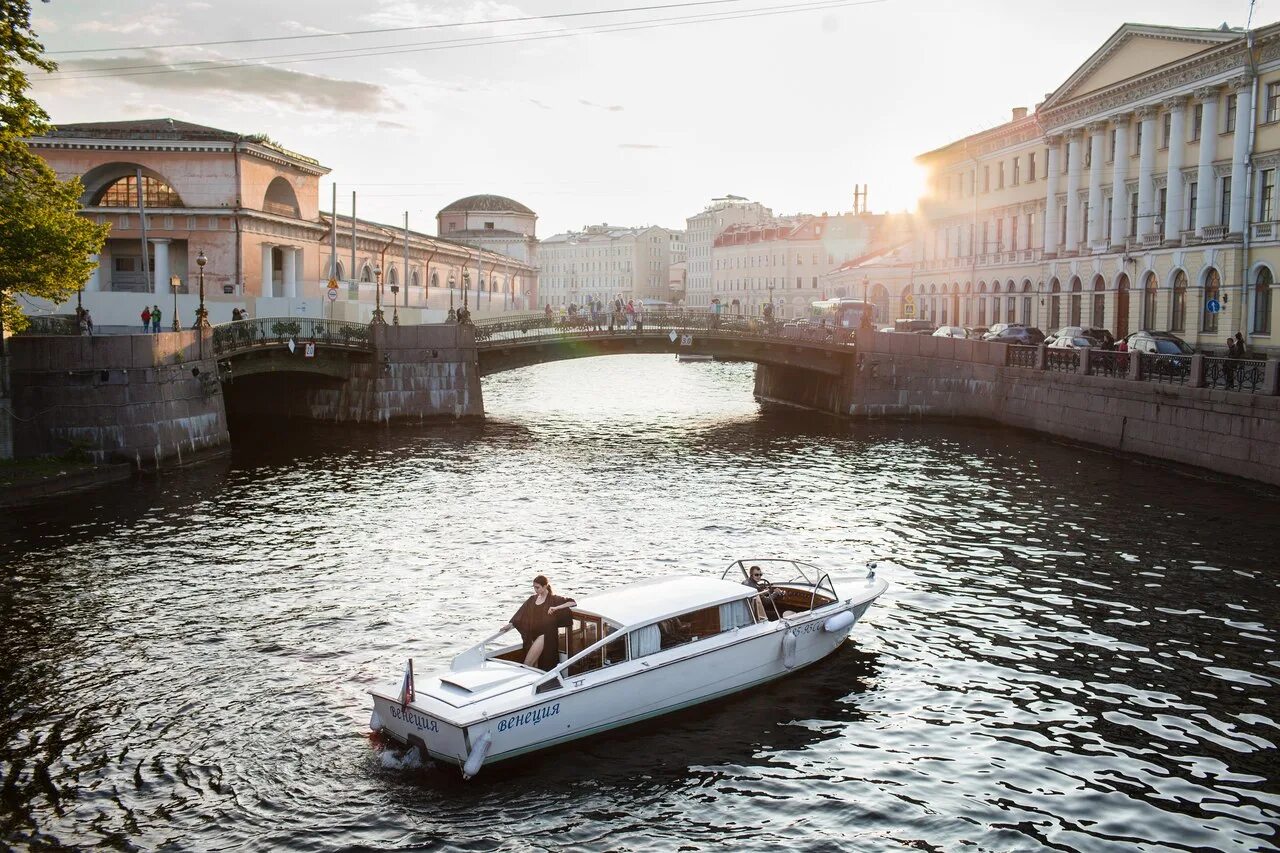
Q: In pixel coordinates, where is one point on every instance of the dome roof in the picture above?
(487, 203)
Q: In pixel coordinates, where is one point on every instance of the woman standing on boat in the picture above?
(536, 621)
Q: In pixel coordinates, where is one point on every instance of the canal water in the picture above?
(1077, 652)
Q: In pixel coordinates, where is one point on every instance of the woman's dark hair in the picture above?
(541, 580)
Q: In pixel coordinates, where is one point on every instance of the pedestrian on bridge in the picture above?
(155, 319)
(146, 319)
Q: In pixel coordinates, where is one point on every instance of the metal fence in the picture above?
(1017, 355)
(1062, 360)
(603, 324)
(275, 331)
(1171, 369)
(1234, 374)
(1109, 363)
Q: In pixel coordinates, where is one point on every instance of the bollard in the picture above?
(1042, 357)
(1135, 365)
(1083, 367)
(1271, 379)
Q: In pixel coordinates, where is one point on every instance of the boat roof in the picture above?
(658, 598)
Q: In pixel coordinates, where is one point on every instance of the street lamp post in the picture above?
(377, 319)
(395, 302)
(451, 282)
(202, 315)
(174, 284)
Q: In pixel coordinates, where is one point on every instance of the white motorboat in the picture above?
(627, 655)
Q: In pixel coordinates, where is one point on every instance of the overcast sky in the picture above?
(631, 128)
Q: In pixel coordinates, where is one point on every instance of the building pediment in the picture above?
(1135, 50)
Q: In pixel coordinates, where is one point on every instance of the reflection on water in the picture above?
(1077, 651)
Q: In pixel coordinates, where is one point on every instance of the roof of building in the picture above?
(658, 598)
(491, 233)
(167, 129)
(486, 204)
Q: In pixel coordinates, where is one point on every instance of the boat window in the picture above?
(583, 632)
(688, 627)
(735, 614)
(615, 652)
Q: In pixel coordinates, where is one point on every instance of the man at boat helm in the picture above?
(755, 579)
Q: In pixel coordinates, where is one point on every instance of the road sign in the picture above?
(686, 340)
(309, 351)
(333, 294)
(908, 310)
(1213, 306)
(909, 299)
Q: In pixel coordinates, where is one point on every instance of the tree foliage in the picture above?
(44, 243)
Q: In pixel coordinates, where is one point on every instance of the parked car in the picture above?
(977, 332)
(887, 329)
(998, 329)
(951, 332)
(1163, 343)
(1070, 342)
(1025, 335)
(905, 324)
(1100, 338)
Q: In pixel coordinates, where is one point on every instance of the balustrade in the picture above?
(275, 331)
(1017, 355)
(1171, 369)
(1109, 363)
(1235, 374)
(1062, 360)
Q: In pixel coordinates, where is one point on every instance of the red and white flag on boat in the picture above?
(406, 686)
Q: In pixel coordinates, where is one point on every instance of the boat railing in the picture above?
(824, 582)
(477, 654)
(801, 573)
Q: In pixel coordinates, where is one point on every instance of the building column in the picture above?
(268, 287)
(1119, 177)
(1051, 196)
(1075, 168)
(1206, 202)
(160, 279)
(1097, 154)
(1243, 89)
(289, 271)
(1147, 172)
(1176, 194)
(95, 278)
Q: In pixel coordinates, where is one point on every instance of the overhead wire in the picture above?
(413, 28)
(447, 44)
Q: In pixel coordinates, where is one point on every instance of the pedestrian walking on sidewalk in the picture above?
(155, 319)
(146, 319)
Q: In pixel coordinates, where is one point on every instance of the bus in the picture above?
(843, 313)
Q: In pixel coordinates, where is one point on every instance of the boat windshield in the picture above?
(777, 571)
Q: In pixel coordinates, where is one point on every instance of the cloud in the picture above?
(385, 124)
(412, 13)
(613, 108)
(638, 145)
(280, 86)
(539, 104)
(152, 25)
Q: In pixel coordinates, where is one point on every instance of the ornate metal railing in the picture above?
(1062, 360)
(1172, 369)
(1234, 374)
(1017, 355)
(657, 323)
(1109, 363)
(241, 335)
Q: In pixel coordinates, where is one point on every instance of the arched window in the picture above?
(1026, 303)
(1055, 306)
(982, 303)
(1178, 306)
(280, 199)
(1122, 306)
(995, 302)
(435, 279)
(1262, 301)
(414, 281)
(1099, 303)
(1149, 295)
(1075, 312)
(338, 272)
(392, 276)
(124, 193)
(366, 274)
(1212, 290)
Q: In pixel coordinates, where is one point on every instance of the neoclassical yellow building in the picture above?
(1141, 194)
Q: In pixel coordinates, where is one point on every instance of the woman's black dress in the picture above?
(533, 620)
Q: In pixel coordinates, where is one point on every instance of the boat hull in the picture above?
(613, 697)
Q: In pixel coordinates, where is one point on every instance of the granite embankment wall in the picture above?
(1231, 432)
(417, 373)
(143, 399)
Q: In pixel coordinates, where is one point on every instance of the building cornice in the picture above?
(179, 146)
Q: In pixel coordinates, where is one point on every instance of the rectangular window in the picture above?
(1273, 101)
(1137, 137)
(1109, 212)
(1031, 166)
(815, 282)
(986, 237)
(1133, 214)
(1197, 119)
(1166, 129)
(1000, 175)
(1192, 194)
(1088, 154)
(1062, 228)
(1031, 229)
(1232, 102)
(1017, 166)
(1013, 233)
(999, 235)
(1163, 207)
(1224, 214)
(1267, 189)
(1111, 146)
(986, 179)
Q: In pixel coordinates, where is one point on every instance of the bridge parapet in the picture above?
(509, 330)
(243, 335)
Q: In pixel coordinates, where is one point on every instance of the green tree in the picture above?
(44, 243)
